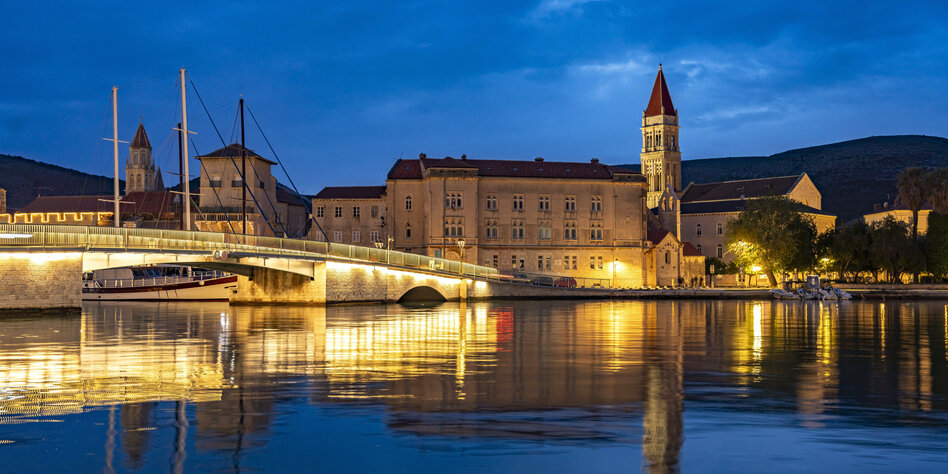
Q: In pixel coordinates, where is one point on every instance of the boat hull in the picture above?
(214, 289)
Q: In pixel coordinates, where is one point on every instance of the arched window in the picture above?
(698, 230)
(720, 229)
(408, 231)
(699, 248)
(667, 257)
(407, 203)
(720, 253)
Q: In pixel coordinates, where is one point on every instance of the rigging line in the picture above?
(287, 173)
(221, 203)
(266, 195)
(239, 173)
(233, 126)
(146, 80)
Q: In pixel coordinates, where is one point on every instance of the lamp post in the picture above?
(460, 256)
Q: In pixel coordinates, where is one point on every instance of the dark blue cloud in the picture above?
(344, 88)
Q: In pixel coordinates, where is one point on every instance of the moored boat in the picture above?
(157, 283)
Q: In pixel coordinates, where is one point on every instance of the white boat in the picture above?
(157, 283)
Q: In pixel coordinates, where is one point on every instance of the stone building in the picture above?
(140, 172)
(661, 157)
(707, 208)
(584, 221)
(901, 213)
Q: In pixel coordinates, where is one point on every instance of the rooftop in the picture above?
(746, 188)
(537, 168)
(660, 102)
(156, 202)
(351, 192)
(234, 151)
(735, 205)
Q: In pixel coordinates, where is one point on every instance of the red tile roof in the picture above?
(351, 192)
(233, 151)
(412, 168)
(689, 250)
(660, 98)
(157, 202)
(735, 205)
(141, 138)
(655, 236)
(748, 188)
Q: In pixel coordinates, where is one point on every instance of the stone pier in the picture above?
(40, 280)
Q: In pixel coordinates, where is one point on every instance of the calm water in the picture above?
(499, 387)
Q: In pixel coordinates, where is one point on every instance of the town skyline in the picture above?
(545, 83)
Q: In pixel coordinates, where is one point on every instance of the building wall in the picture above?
(902, 215)
(805, 191)
(664, 273)
(230, 195)
(41, 280)
(346, 225)
(59, 218)
(660, 157)
(709, 239)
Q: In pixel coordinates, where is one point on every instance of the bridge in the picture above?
(41, 266)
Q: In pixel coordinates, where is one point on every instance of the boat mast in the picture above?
(115, 153)
(181, 174)
(243, 166)
(184, 157)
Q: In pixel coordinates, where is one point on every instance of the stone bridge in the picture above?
(42, 267)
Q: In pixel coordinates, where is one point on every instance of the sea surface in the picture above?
(518, 386)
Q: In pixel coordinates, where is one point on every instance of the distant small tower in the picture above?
(140, 174)
(661, 158)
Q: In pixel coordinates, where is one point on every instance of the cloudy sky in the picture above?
(342, 89)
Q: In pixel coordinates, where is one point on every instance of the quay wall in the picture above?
(40, 280)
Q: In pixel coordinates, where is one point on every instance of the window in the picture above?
(566, 262)
(599, 262)
(548, 262)
(454, 228)
(491, 202)
(569, 230)
(491, 230)
(573, 262)
(544, 203)
(595, 231)
(338, 211)
(495, 260)
(236, 183)
(337, 236)
(667, 257)
(540, 262)
(699, 248)
(698, 230)
(544, 230)
(375, 211)
(518, 202)
(356, 236)
(452, 201)
(407, 203)
(720, 253)
(592, 263)
(260, 184)
(356, 211)
(517, 230)
(570, 203)
(374, 236)
(515, 263)
(321, 211)
(215, 181)
(720, 229)
(597, 203)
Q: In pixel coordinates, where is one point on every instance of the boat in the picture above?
(157, 283)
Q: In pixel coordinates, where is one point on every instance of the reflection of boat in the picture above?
(161, 282)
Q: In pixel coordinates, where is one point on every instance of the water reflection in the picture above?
(201, 385)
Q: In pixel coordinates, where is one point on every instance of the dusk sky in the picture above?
(345, 88)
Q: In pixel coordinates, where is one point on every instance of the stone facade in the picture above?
(661, 156)
(221, 196)
(140, 172)
(901, 214)
(40, 280)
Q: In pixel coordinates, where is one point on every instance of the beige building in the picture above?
(707, 208)
(580, 223)
(661, 157)
(140, 172)
(899, 212)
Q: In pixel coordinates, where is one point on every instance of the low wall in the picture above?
(40, 280)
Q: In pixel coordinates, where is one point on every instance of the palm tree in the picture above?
(936, 188)
(912, 185)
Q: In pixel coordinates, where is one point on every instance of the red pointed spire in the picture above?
(660, 98)
(141, 138)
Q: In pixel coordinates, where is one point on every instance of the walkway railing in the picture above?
(58, 237)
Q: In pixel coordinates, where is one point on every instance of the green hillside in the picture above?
(24, 179)
(851, 175)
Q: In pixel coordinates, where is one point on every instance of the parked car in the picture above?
(542, 281)
(567, 282)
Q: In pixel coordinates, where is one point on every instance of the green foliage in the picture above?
(936, 190)
(893, 249)
(773, 233)
(847, 249)
(912, 183)
(936, 245)
(720, 268)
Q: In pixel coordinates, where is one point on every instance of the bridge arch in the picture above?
(422, 294)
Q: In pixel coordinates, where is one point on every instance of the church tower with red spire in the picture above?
(661, 158)
(140, 173)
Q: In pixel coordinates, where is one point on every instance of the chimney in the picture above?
(422, 156)
(538, 159)
(594, 161)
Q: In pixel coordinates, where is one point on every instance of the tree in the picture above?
(936, 245)
(936, 189)
(849, 249)
(893, 250)
(912, 185)
(773, 233)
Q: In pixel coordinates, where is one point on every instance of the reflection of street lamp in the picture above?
(615, 263)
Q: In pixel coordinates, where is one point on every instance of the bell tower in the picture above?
(661, 158)
(140, 172)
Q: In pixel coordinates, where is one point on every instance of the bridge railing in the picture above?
(114, 238)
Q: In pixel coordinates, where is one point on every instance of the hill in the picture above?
(852, 175)
(24, 179)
